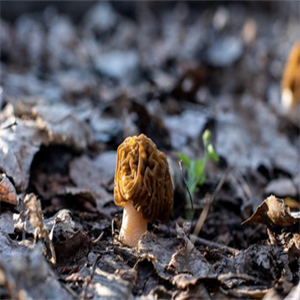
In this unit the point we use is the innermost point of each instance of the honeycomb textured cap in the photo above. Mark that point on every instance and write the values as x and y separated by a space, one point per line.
142 176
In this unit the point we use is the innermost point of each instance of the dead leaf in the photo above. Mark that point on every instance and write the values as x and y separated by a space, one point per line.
272 212
94 174
272 295
63 125
10 248
7 191
109 286
18 145
190 262
254 292
159 251
28 276
74 248
36 220
292 204
198 292
6 223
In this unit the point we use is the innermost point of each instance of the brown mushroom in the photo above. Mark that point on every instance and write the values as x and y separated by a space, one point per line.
290 84
143 187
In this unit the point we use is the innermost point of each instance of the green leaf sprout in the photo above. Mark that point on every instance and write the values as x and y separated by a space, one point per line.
195 168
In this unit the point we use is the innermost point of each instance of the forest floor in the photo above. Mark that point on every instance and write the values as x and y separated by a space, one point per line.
72 91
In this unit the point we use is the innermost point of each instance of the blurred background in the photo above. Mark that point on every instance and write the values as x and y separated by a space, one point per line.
76 8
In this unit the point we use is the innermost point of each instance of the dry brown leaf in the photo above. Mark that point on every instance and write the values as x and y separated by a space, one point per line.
272 212
292 203
74 248
36 220
198 292
7 191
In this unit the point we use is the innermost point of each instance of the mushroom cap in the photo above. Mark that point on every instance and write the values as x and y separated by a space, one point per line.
142 176
291 75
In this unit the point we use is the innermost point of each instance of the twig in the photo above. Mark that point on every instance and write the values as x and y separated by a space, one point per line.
224 277
9 125
199 241
89 280
204 242
70 291
185 183
95 242
208 201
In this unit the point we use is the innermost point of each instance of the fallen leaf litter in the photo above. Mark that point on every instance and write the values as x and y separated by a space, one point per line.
72 91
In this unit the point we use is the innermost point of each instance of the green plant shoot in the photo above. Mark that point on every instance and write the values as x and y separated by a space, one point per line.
195 168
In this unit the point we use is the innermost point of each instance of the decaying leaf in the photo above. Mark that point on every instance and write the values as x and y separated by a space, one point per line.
7 191
18 145
12 248
74 248
189 262
159 251
6 223
109 286
61 224
273 212
94 174
28 276
283 229
198 292
62 125
36 220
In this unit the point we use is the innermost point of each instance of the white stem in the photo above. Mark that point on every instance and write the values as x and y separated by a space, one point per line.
133 225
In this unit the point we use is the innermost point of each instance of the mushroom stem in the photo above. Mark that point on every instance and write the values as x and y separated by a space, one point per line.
133 225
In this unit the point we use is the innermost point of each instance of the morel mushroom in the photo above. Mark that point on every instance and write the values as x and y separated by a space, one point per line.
143 187
290 84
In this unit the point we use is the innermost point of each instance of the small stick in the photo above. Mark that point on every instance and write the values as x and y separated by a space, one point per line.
70 291
204 242
199 241
89 280
185 184
208 201
9 125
